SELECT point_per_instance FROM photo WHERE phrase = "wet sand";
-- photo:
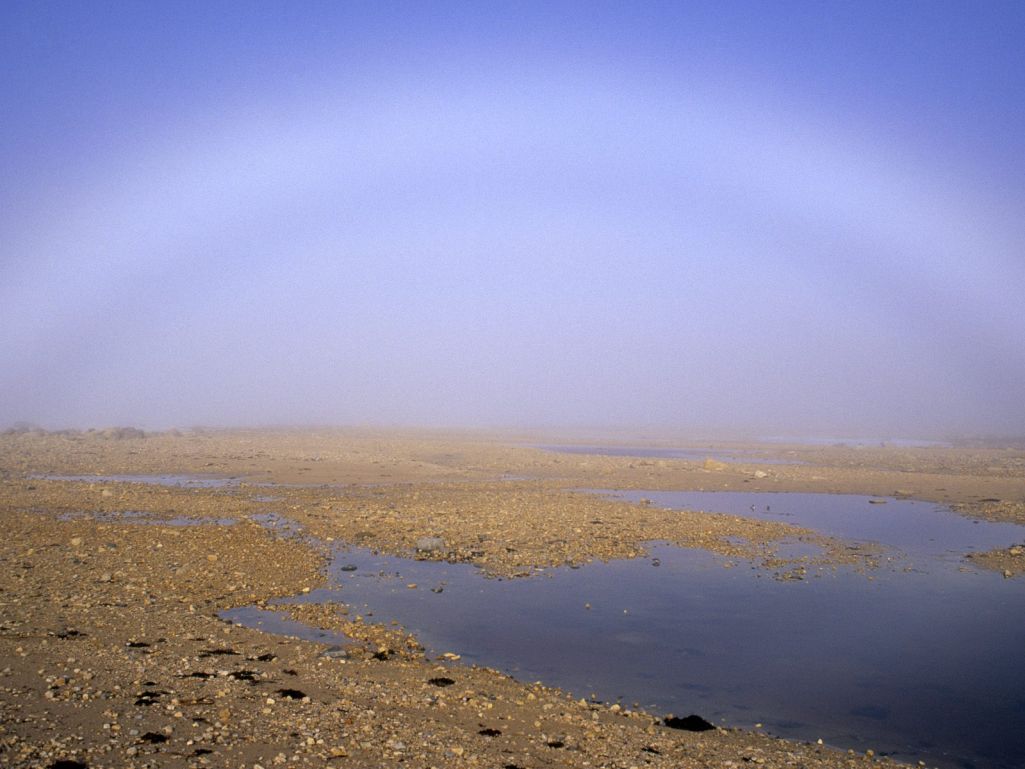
(113, 653)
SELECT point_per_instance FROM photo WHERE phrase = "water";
(279, 623)
(811, 440)
(189, 481)
(693, 455)
(145, 518)
(922, 531)
(921, 664)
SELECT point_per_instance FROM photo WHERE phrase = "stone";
(691, 723)
(430, 544)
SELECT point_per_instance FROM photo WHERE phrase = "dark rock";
(441, 681)
(154, 737)
(149, 698)
(489, 732)
(555, 743)
(217, 652)
(291, 694)
(691, 723)
(348, 567)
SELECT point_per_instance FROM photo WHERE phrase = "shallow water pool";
(922, 663)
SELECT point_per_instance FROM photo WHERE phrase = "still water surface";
(921, 659)
(744, 456)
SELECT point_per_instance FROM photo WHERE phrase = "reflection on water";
(145, 517)
(924, 664)
(189, 481)
(920, 530)
(740, 456)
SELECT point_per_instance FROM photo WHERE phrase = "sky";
(773, 218)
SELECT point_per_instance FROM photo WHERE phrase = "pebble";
(430, 544)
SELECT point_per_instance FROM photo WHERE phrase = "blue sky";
(763, 217)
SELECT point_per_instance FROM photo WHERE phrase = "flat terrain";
(113, 653)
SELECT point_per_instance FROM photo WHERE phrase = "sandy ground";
(113, 654)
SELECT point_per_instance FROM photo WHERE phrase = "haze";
(781, 218)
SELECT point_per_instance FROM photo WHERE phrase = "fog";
(797, 219)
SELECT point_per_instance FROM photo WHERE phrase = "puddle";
(144, 517)
(902, 443)
(740, 456)
(189, 481)
(921, 665)
(278, 523)
(923, 531)
(278, 623)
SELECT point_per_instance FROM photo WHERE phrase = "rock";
(1016, 550)
(76, 541)
(430, 544)
(715, 464)
(760, 474)
(691, 723)
(348, 567)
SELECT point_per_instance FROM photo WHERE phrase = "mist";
(775, 219)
